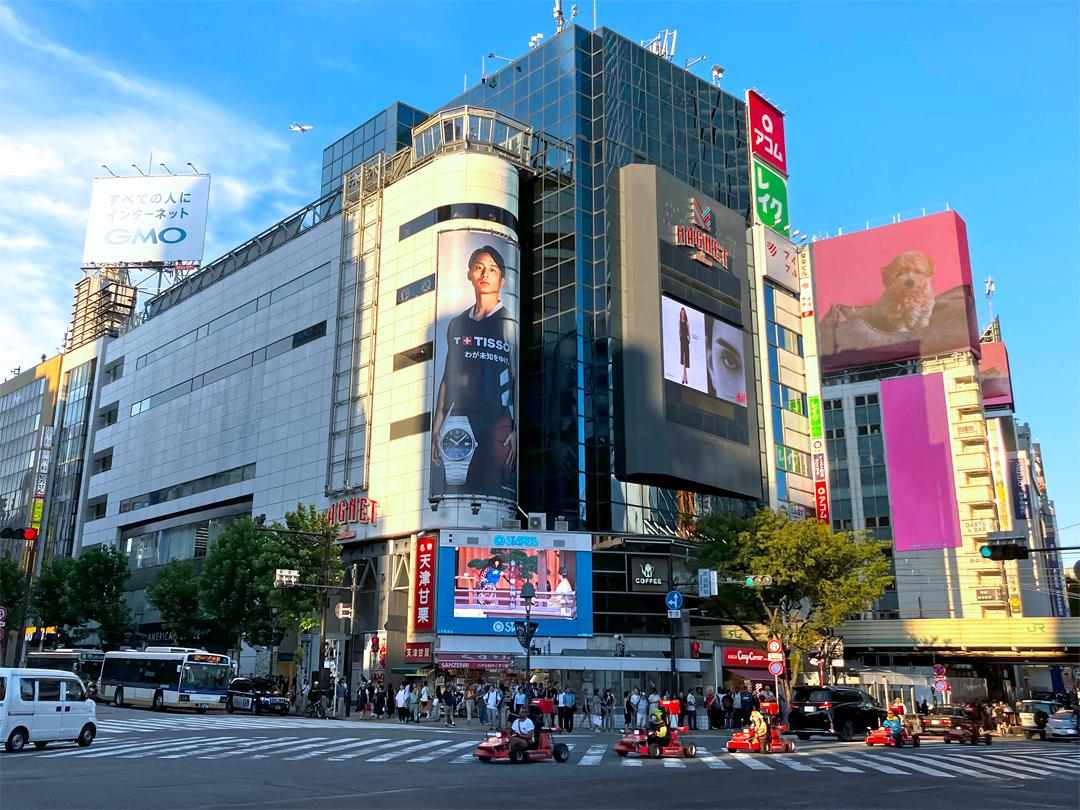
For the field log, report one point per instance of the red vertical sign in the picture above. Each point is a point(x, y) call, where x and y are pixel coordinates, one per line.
point(424, 585)
point(767, 132)
point(821, 498)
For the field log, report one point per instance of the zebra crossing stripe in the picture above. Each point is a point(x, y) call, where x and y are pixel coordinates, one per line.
point(794, 764)
point(877, 766)
point(1036, 766)
point(449, 749)
point(303, 747)
point(632, 762)
point(671, 762)
point(825, 763)
point(244, 747)
point(185, 750)
point(750, 762)
point(409, 750)
point(711, 760)
point(915, 766)
point(115, 746)
point(336, 748)
point(281, 743)
point(462, 759)
point(965, 770)
point(141, 746)
point(593, 755)
point(372, 750)
point(999, 769)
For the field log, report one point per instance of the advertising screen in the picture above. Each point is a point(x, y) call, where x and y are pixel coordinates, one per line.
point(147, 219)
point(994, 373)
point(702, 352)
point(474, 430)
point(918, 455)
point(481, 574)
point(894, 293)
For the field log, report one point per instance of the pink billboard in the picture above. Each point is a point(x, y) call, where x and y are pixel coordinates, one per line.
point(994, 371)
point(918, 453)
point(894, 293)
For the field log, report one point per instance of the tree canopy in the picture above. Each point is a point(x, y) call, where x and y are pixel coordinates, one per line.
point(175, 593)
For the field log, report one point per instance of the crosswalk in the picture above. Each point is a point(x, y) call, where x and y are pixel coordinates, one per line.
point(928, 762)
point(159, 723)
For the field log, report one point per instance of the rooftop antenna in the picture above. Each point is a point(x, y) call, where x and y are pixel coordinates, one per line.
point(689, 63)
point(663, 44)
point(717, 75)
point(988, 288)
point(534, 40)
point(110, 171)
point(557, 13)
point(166, 168)
point(192, 165)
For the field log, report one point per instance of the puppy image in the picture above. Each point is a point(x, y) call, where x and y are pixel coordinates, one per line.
point(908, 299)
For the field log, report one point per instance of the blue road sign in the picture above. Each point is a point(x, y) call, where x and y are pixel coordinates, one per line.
point(674, 600)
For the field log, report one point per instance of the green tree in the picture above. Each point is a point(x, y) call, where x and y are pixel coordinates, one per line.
point(306, 545)
point(819, 579)
point(12, 593)
point(233, 588)
point(175, 593)
point(97, 588)
point(53, 602)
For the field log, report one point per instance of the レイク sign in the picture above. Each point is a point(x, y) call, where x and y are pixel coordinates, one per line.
point(745, 657)
point(698, 235)
point(352, 510)
point(423, 601)
point(766, 131)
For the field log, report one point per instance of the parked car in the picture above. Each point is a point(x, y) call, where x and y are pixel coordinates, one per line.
point(255, 695)
point(1062, 725)
point(839, 711)
point(945, 718)
point(1035, 716)
point(41, 706)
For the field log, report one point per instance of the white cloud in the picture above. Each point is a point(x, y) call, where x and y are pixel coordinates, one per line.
point(66, 114)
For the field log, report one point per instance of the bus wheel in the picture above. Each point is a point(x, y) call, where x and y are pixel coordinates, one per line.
point(118, 698)
point(200, 710)
point(159, 702)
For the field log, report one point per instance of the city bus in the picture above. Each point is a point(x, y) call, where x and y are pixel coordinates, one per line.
point(165, 678)
point(84, 663)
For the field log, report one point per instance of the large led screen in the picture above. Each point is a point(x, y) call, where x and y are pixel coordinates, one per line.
point(994, 373)
point(894, 293)
point(481, 575)
point(702, 352)
point(474, 429)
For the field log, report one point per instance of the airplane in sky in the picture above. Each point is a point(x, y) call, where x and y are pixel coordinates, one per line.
point(300, 127)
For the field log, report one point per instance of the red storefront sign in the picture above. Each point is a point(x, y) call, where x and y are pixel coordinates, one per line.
point(821, 500)
point(424, 585)
point(352, 510)
point(418, 652)
point(753, 657)
point(484, 661)
point(767, 131)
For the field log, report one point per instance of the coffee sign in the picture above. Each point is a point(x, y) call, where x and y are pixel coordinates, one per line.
point(649, 574)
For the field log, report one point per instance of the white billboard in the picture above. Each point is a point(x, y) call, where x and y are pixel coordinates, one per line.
point(781, 260)
point(147, 219)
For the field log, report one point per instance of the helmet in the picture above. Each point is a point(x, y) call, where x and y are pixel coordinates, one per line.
point(657, 715)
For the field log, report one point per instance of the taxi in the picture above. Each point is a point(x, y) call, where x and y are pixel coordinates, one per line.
point(255, 695)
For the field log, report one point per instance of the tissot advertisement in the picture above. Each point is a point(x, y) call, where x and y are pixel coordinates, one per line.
point(474, 430)
point(481, 574)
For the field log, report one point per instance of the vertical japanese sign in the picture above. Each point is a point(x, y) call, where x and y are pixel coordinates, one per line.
point(771, 198)
point(424, 585)
point(818, 460)
point(766, 131)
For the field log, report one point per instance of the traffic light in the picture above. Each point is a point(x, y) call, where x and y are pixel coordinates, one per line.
point(18, 534)
point(758, 581)
point(1004, 548)
point(695, 649)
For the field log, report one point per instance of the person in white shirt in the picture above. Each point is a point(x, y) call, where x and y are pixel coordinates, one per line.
point(522, 732)
point(401, 701)
point(491, 700)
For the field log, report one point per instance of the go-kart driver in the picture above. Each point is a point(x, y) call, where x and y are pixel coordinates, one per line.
point(894, 726)
point(522, 732)
point(759, 726)
point(657, 729)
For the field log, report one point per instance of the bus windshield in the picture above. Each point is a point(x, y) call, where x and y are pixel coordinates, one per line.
point(207, 676)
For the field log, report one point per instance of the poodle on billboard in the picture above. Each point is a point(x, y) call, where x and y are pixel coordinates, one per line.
point(894, 293)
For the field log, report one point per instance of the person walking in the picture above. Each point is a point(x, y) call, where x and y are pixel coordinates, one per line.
point(586, 711)
point(425, 701)
point(470, 703)
point(450, 703)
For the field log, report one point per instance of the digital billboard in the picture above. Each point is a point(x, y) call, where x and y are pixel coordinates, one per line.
point(995, 377)
point(918, 456)
point(137, 220)
point(474, 429)
point(894, 293)
point(481, 574)
point(702, 352)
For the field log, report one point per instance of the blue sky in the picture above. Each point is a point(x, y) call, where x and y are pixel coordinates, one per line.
point(891, 107)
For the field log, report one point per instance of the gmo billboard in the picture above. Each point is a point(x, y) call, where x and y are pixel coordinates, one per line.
point(480, 574)
point(138, 220)
point(894, 293)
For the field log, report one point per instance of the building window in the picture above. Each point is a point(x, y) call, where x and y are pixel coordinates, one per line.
point(410, 357)
point(416, 288)
point(194, 487)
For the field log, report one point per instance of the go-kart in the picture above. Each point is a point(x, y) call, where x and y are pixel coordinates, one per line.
point(637, 742)
point(496, 748)
point(882, 736)
point(747, 740)
point(967, 733)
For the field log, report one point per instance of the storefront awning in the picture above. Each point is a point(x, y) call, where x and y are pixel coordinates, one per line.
point(413, 670)
point(484, 661)
point(739, 675)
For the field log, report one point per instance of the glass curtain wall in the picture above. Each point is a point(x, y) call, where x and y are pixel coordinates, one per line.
point(69, 460)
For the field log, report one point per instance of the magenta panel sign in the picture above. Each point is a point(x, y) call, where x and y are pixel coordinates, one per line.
point(922, 488)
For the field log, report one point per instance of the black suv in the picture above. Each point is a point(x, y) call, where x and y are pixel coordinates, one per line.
point(839, 711)
point(255, 695)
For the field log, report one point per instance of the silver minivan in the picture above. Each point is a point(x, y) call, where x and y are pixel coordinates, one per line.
point(41, 706)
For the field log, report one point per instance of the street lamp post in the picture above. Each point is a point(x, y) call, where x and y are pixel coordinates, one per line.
point(528, 593)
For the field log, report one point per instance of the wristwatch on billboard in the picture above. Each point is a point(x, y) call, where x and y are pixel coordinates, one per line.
point(457, 443)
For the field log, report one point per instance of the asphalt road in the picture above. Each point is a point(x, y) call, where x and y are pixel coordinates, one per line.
point(144, 759)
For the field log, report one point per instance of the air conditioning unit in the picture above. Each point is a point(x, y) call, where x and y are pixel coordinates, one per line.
point(537, 521)
point(562, 524)
point(510, 523)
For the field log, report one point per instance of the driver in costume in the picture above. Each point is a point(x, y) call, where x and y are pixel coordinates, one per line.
point(474, 429)
point(657, 729)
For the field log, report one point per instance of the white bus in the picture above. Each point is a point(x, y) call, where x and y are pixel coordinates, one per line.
point(166, 677)
point(85, 663)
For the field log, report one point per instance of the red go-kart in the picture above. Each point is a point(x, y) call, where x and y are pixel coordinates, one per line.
point(498, 748)
point(968, 733)
point(882, 736)
point(637, 742)
point(746, 740)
